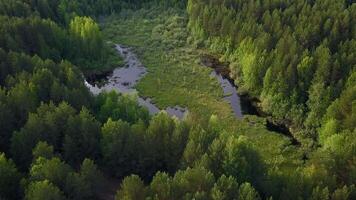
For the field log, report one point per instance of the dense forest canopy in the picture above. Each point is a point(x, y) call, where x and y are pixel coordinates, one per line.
point(59, 141)
point(295, 56)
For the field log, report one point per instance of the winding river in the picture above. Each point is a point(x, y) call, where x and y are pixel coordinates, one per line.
point(124, 79)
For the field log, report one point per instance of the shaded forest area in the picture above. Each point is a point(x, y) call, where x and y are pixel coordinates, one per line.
point(58, 141)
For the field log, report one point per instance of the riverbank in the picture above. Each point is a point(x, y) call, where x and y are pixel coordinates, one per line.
point(100, 71)
point(247, 104)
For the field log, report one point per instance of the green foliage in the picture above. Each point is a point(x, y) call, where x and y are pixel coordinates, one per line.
point(161, 186)
point(43, 150)
point(204, 147)
point(247, 192)
point(14, 8)
point(85, 184)
point(132, 188)
point(53, 170)
point(192, 183)
point(225, 188)
point(122, 148)
point(86, 38)
point(319, 193)
point(91, 175)
point(6, 121)
point(9, 179)
point(116, 106)
point(81, 139)
point(33, 35)
point(38, 129)
point(143, 150)
point(43, 190)
point(82, 43)
point(297, 57)
point(279, 54)
point(31, 80)
point(171, 33)
point(242, 161)
point(341, 113)
point(339, 149)
point(168, 139)
point(75, 135)
point(75, 185)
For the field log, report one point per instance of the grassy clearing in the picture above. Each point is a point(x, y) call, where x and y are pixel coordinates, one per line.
point(176, 78)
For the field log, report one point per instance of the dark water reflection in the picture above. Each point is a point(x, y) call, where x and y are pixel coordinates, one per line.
point(242, 105)
point(125, 78)
point(221, 72)
point(230, 94)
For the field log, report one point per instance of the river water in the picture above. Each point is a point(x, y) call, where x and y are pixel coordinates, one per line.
point(230, 94)
point(124, 79)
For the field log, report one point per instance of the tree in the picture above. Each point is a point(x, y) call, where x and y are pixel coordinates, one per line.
point(120, 107)
point(53, 170)
point(87, 37)
point(343, 193)
point(197, 144)
point(43, 190)
point(9, 179)
point(161, 186)
point(7, 122)
point(23, 99)
point(161, 141)
point(43, 150)
point(225, 188)
point(320, 194)
point(192, 183)
point(117, 147)
point(82, 135)
point(91, 176)
point(247, 192)
point(86, 183)
point(132, 188)
point(47, 124)
point(242, 161)
point(77, 188)
point(14, 8)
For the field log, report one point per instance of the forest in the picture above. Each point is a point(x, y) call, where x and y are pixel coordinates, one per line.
point(295, 61)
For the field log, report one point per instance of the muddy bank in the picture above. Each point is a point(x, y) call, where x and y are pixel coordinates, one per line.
point(97, 78)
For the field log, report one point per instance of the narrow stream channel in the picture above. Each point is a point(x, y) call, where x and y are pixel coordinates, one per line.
point(124, 79)
point(241, 105)
point(230, 94)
